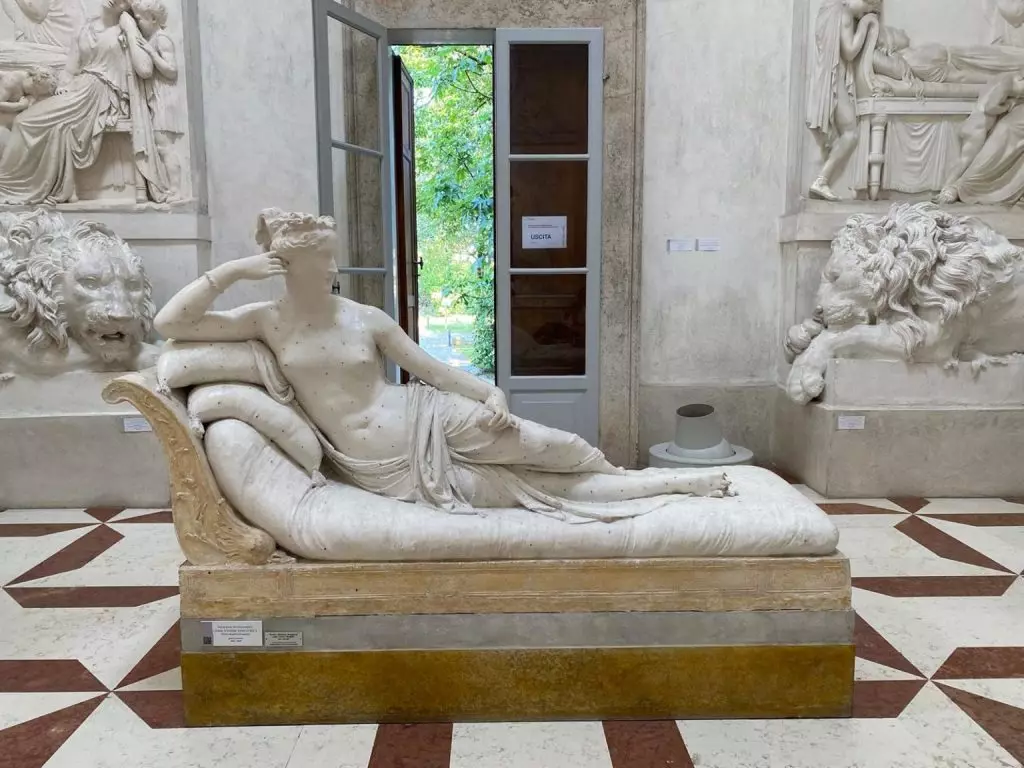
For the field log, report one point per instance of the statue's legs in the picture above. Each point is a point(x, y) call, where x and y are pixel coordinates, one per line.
point(633, 484)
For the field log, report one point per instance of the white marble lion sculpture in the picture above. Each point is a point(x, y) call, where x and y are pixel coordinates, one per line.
point(73, 297)
point(917, 284)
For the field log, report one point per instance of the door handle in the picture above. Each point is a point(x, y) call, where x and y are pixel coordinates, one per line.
point(419, 264)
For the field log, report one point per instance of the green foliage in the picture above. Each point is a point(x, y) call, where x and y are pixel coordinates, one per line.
point(455, 184)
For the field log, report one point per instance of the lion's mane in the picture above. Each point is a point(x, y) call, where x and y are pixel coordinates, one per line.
point(36, 249)
point(918, 257)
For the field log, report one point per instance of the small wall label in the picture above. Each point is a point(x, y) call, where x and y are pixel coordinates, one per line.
point(542, 232)
point(849, 421)
point(245, 634)
point(136, 424)
point(282, 639)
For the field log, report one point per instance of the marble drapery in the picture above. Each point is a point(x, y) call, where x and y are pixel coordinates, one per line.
point(997, 174)
point(56, 136)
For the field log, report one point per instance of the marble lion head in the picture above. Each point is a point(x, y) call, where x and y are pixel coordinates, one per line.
point(77, 282)
point(913, 266)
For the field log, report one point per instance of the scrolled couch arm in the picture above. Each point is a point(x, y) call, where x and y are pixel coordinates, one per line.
point(209, 530)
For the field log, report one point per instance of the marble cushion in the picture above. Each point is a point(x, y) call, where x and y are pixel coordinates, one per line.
point(185, 364)
point(339, 522)
point(277, 422)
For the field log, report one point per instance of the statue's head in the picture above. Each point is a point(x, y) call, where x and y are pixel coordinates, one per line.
point(863, 7)
point(307, 243)
point(40, 82)
point(76, 282)
point(111, 10)
point(893, 39)
point(916, 260)
point(150, 14)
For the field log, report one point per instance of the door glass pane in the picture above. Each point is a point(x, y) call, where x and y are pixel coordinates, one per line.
point(357, 209)
point(548, 98)
point(549, 325)
point(355, 98)
point(549, 189)
point(366, 289)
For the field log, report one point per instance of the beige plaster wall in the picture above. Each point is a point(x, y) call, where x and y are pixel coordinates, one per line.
point(715, 165)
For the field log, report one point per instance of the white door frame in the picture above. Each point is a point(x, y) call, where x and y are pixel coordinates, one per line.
point(324, 11)
point(578, 392)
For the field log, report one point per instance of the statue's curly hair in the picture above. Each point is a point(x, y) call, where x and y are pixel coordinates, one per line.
point(36, 249)
point(286, 230)
point(157, 7)
point(919, 257)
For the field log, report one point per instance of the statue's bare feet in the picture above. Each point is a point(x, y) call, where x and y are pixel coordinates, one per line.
point(715, 484)
point(821, 190)
point(280, 557)
point(5, 378)
point(947, 196)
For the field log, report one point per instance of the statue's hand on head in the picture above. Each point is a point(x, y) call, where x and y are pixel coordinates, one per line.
point(258, 267)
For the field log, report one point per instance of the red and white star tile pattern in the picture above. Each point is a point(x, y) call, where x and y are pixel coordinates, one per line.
point(89, 655)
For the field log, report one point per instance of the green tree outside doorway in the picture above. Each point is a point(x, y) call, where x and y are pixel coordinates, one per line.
point(455, 186)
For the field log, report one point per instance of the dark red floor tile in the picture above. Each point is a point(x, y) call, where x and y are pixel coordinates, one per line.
point(1002, 722)
point(983, 519)
point(936, 586)
point(88, 597)
point(47, 676)
point(35, 530)
point(871, 646)
point(31, 744)
point(76, 554)
point(910, 503)
point(982, 663)
point(164, 656)
point(884, 698)
point(654, 744)
point(853, 508)
point(944, 545)
point(164, 516)
point(103, 514)
point(412, 746)
point(157, 709)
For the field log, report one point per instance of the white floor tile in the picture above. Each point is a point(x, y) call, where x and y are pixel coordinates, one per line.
point(46, 516)
point(529, 745)
point(333, 746)
point(148, 555)
point(114, 737)
point(108, 641)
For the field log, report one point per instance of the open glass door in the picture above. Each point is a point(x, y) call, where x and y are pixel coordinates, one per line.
point(548, 153)
point(353, 102)
point(404, 150)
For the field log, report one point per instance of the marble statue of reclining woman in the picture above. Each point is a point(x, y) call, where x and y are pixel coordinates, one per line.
point(448, 439)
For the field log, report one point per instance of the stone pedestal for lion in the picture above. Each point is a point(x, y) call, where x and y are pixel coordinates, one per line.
point(435, 616)
point(76, 308)
point(61, 446)
point(907, 376)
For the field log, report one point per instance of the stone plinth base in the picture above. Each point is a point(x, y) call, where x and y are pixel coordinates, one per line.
point(872, 451)
point(517, 640)
point(61, 445)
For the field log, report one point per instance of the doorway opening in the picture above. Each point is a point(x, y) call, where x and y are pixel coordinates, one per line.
point(444, 139)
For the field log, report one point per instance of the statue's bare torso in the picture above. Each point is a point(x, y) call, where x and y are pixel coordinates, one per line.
point(337, 370)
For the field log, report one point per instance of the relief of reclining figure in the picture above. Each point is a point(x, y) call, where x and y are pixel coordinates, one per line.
point(917, 284)
point(447, 440)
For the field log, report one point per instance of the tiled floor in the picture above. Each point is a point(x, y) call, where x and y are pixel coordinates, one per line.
point(89, 678)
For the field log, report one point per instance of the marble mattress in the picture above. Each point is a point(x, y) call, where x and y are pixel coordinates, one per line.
point(338, 522)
